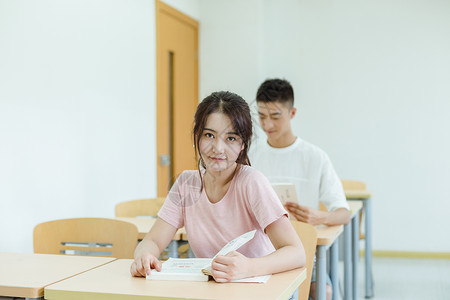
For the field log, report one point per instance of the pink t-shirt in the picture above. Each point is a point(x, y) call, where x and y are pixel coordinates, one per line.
point(250, 203)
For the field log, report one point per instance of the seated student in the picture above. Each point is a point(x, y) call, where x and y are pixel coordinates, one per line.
point(222, 200)
point(284, 157)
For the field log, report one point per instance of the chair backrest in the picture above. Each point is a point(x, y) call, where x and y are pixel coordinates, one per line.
point(86, 236)
point(308, 236)
point(353, 185)
point(141, 207)
point(348, 185)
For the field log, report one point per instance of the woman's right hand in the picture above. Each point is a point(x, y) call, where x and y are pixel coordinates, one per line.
point(143, 264)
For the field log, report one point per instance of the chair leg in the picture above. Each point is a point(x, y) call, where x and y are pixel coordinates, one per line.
point(368, 249)
point(361, 233)
point(173, 249)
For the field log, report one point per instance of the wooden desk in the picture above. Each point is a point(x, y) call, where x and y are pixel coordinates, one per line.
point(357, 194)
point(114, 281)
point(365, 197)
point(327, 235)
point(326, 238)
point(25, 275)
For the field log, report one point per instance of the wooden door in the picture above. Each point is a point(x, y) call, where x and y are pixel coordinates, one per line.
point(177, 93)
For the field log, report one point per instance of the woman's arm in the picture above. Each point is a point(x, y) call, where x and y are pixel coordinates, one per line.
point(289, 254)
point(147, 252)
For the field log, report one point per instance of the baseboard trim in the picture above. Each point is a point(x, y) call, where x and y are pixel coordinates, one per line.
point(408, 254)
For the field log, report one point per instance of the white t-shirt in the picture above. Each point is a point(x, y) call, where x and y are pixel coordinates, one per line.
point(305, 165)
point(250, 203)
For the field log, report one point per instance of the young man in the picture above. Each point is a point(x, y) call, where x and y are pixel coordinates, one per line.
point(285, 157)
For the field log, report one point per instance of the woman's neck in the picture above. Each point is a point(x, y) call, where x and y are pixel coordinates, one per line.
point(220, 178)
point(216, 184)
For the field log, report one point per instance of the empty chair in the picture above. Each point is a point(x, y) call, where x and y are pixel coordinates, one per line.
point(141, 207)
point(308, 236)
point(149, 208)
point(86, 236)
point(353, 185)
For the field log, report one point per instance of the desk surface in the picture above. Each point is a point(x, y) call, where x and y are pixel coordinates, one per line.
point(114, 281)
point(355, 206)
point(144, 225)
point(357, 194)
point(326, 235)
point(25, 275)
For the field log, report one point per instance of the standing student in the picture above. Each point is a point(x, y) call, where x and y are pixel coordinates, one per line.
point(284, 157)
point(222, 200)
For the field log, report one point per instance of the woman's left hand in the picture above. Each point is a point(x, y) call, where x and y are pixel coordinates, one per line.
point(232, 266)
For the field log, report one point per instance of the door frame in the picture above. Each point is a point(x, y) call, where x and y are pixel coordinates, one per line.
point(162, 94)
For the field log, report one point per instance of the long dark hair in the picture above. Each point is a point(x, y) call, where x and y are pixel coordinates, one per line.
point(234, 107)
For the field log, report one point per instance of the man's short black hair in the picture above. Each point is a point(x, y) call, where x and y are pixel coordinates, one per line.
point(276, 90)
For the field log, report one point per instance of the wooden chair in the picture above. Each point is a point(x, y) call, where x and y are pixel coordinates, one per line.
point(141, 207)
point(351, 187)
point(308, 236)
point(148, 208)
point(86, 236)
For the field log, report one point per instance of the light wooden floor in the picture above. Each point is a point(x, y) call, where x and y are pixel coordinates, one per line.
point(410, 279)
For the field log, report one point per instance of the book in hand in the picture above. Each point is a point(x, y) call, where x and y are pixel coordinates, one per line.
point(199, 269)
point(286, 193)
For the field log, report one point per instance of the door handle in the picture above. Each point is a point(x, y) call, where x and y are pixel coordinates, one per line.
point(164, 160)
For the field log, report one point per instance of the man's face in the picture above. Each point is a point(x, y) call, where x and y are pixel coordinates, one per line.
point(275, 119)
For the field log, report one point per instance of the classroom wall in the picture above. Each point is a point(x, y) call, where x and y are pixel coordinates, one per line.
point(371, 83)
point(77, 111)
point(77, 101)
point(228, 47)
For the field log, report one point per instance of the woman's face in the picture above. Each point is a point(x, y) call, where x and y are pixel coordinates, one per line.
point(219, 145)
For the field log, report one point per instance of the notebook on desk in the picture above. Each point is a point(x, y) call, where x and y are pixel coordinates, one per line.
point(199, 269)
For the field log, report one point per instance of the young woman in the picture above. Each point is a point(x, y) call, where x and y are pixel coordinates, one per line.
point(222, 200)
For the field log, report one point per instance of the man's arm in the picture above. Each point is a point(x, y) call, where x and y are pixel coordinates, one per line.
point(316, 217)
point(332, 196)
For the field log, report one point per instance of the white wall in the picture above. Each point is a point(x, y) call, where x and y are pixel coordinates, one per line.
point(371, 80)
point(77, 101)
point(77, 117)
point(228, 43)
